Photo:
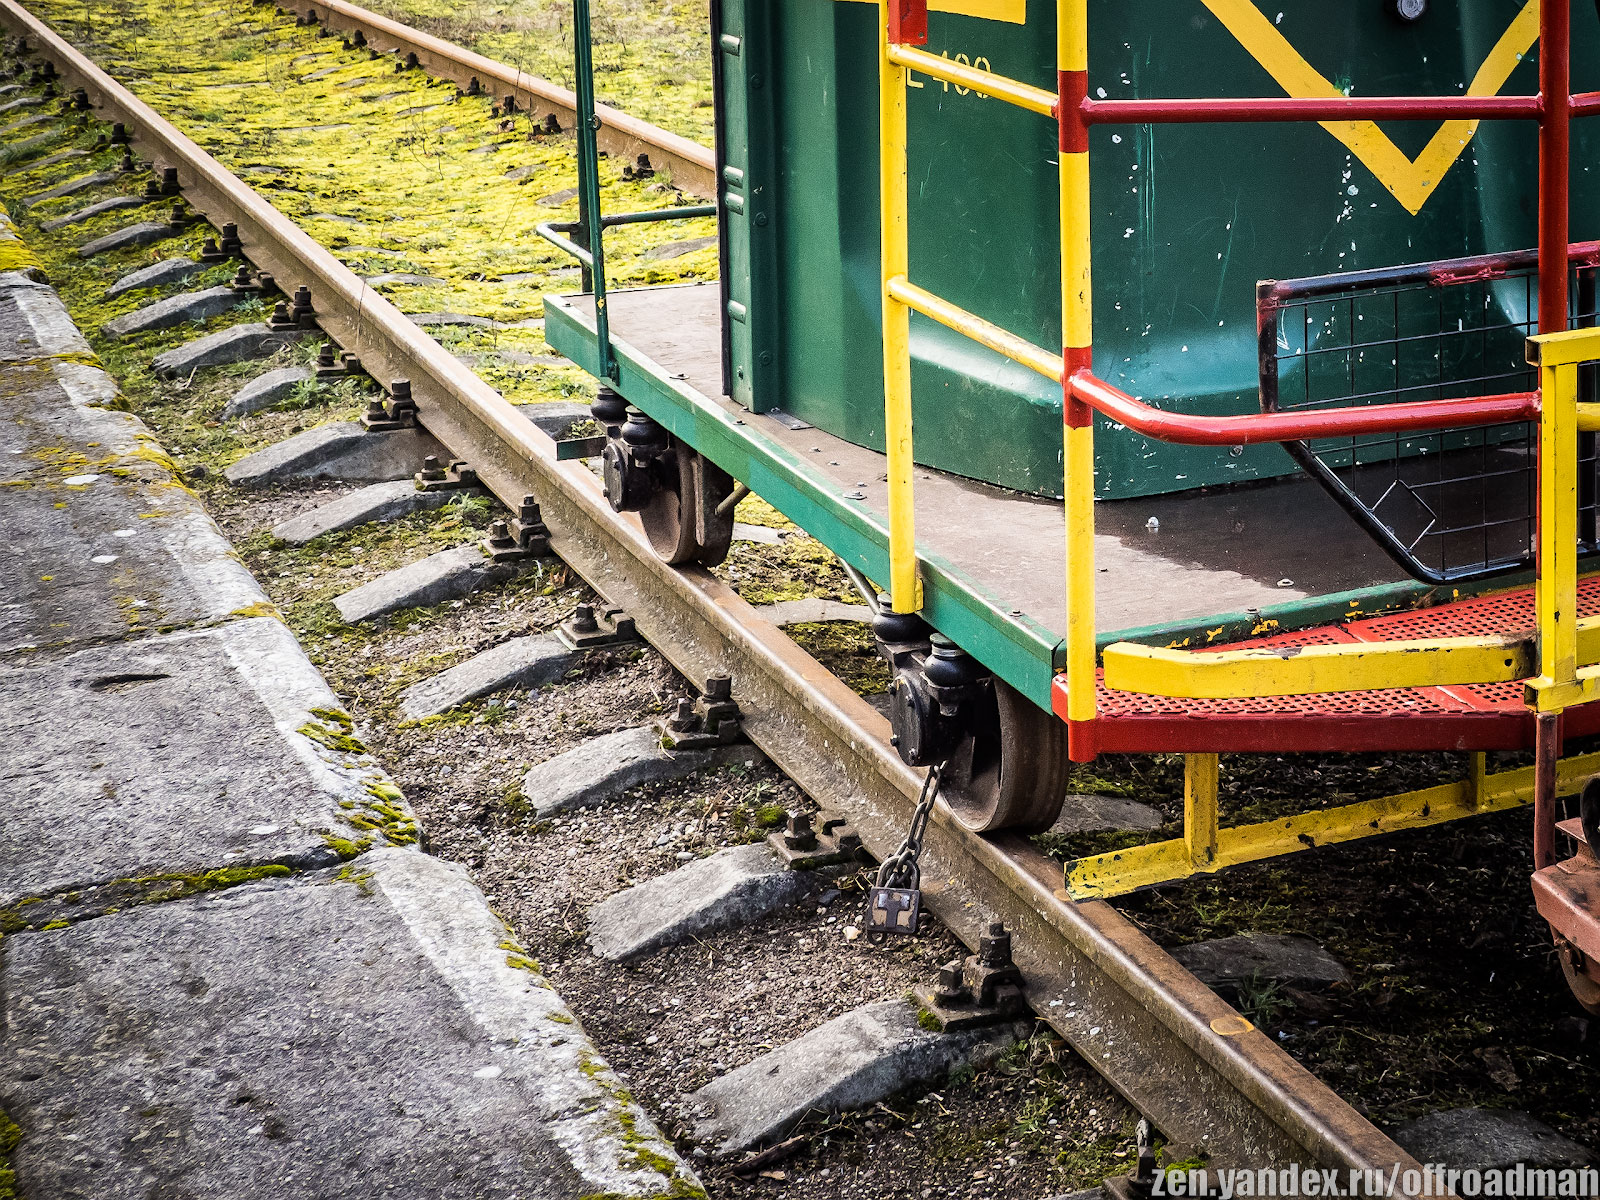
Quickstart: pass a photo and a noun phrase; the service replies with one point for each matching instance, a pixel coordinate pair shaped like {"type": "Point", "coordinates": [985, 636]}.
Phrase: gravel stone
{"type": "Point", "coordinates": [1277, 956]}
{"type": "Point", "coordinates": [851, 1062]}
{"type": "Point", "coordinates": [236, 343]}
{"type": "Point", "coordinates": [1090, 814]}
{"type": "Point", "coordinates": [375, 502]}
{"type": "Point", "coordinates": [169, 270]}
{"type": "Point", "coordinates": [338, 450]}
{"type": "Point", "coordinates": [1488, 1139]}
{"type": "Point", "coordinates": [109, 204]}
{"type": "Point", "coordinates": [72, 186]}
{"type": "Point", "coordinates": [145, 233]}
{"type": "Point", "coordinates": [174, 310]}
{"type": "Point", "coordinates": [266, 390]}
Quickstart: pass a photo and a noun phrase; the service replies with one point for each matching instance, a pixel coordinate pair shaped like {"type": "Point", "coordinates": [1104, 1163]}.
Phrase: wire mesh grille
{"type": "Point", "coordinates": [1448, 505]}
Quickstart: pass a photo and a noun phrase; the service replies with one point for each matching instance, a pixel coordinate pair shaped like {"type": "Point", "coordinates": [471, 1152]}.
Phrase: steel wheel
{"type": "Point", "coordinates": [669, 516]}
{"type": "Point", "coordinates": [713, 530]}
{"type": "Point", "coordinates": [1012, 774]}
{"type": "Point", "coordinates": [1585, 987]}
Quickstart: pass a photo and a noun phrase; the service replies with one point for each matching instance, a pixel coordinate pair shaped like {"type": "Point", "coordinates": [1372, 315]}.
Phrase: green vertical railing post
{"type": "Point", "coordinates": [589, 216]}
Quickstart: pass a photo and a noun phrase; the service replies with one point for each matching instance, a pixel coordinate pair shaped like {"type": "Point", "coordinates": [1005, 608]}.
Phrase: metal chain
{"type": "Point", "coordinates": [900, 869]}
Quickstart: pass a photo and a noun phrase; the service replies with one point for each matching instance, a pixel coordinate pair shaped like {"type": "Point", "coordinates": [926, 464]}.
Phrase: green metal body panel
{"type": "Point", "coordinates": [1186, 218]}
{"type": "Point", "coordinates": [742, 44]}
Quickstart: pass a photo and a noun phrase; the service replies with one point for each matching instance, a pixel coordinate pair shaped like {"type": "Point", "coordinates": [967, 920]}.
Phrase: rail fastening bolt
{"type": "Point", "coordinates": [994, 947]}
{"type": "Point", "coordinates": [798, 834]}
{"type": "Point", "coordinates": [683, 720]}
{"type": "Point", "coordinates": [951, 987]}
{"type": "Point", "coordinates": [719, 686]}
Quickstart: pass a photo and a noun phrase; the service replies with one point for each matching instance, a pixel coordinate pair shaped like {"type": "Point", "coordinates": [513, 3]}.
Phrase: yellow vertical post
{"type": "Point", "coordinates": [904, 586]}
{"type": "Point", "coordinates": [1201, 780]}
{"type": "Point", "coordinates": [1072, 55]}
{"type": "Point", "coordinates": [1478, 777]}
{"type": "Point", "coordinates": [1556, 587]}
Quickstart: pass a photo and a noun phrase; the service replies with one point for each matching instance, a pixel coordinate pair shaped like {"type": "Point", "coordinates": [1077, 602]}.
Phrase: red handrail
{"type": "Point", "coordinates": [1253, 429]}
{"type": "Point", "coordinates": [1309, 108]}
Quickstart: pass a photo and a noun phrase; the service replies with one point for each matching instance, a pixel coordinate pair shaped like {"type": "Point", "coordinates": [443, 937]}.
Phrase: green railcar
{"type": "Point", "coordinates": [1274, 268]}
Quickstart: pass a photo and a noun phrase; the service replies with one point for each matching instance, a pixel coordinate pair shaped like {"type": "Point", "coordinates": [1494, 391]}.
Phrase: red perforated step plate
{"type": "Point", "coordinates": [1466, 717]}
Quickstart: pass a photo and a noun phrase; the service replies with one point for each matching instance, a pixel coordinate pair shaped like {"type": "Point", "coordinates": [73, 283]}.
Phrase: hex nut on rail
{"type": "Point", "coordinates": [983, 989]}
{"type": "Point", "coordinates": [434, 478]}
{"type": "Point", "coordinates": [587, 628]}
{"type": "Point", "coordinates": [712, 719]}
{"type": "Point", "coordinates": [806, 843]}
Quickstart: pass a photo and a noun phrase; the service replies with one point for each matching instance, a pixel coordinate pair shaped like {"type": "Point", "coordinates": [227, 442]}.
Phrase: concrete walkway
{"type": "Point", "coordinates": [226, 969]}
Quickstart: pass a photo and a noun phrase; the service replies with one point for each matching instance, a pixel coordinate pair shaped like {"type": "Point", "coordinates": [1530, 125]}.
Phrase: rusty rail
{"type": "Point", "coordinates": [1204, 1075]}
{"type": "Point", "coordinates": [692, 166]}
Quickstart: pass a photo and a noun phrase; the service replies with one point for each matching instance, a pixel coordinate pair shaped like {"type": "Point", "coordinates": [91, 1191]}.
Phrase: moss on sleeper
{"type": "Point", "coordinates": [10, 1139]}
{"type": "Point", "coordinates": [642, 1153]}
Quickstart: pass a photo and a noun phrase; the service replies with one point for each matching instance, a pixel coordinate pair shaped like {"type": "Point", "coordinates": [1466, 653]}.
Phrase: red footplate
{"type": "Point", "coordinates": [1488, 716]}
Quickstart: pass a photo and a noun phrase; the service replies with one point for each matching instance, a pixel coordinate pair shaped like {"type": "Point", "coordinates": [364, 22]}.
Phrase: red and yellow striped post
{"type": "Point", "coordinates": [1077, 328]}
{"type": "Point", "coordinates": [897, 18]}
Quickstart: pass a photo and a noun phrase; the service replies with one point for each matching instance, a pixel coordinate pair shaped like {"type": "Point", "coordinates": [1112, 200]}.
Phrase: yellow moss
{"type": "Point", "coordinates": [15, 256]}
{"type": "Point", "coordinates": [391, 170]}
{"type": "Point", "coordinates": [261, 608]}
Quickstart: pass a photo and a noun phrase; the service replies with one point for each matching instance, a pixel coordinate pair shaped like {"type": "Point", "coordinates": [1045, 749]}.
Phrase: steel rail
{"type": "Point", "coordinates": [693, 167]}
{"type": "Point", "coordinates": [1204, 1075]}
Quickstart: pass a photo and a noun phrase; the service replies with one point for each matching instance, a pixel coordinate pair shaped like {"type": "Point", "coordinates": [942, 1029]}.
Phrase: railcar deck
{"type": "Point", "coordinates": [1216, 567]}
{"type": "Point", "coordinates": [1220, 551]}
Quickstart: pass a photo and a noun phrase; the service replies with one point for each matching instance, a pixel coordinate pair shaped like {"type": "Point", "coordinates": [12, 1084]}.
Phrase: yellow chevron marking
{"type": "Point", "coordinates": [1411, 181]}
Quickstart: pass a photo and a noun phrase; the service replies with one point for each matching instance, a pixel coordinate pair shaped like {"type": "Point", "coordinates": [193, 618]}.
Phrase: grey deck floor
{"type": "Point", "coordinates": [1220, 551]}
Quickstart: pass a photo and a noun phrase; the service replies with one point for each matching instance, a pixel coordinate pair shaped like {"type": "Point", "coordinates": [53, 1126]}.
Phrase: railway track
{"type": "Point", "coordinates": [1202, 1073]}
{"type": "Point", "coordinates": [692, 166]}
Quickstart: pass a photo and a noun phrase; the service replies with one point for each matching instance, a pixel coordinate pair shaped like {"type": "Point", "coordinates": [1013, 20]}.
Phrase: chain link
{"type": "Point", "coordinates": [900, 869]}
